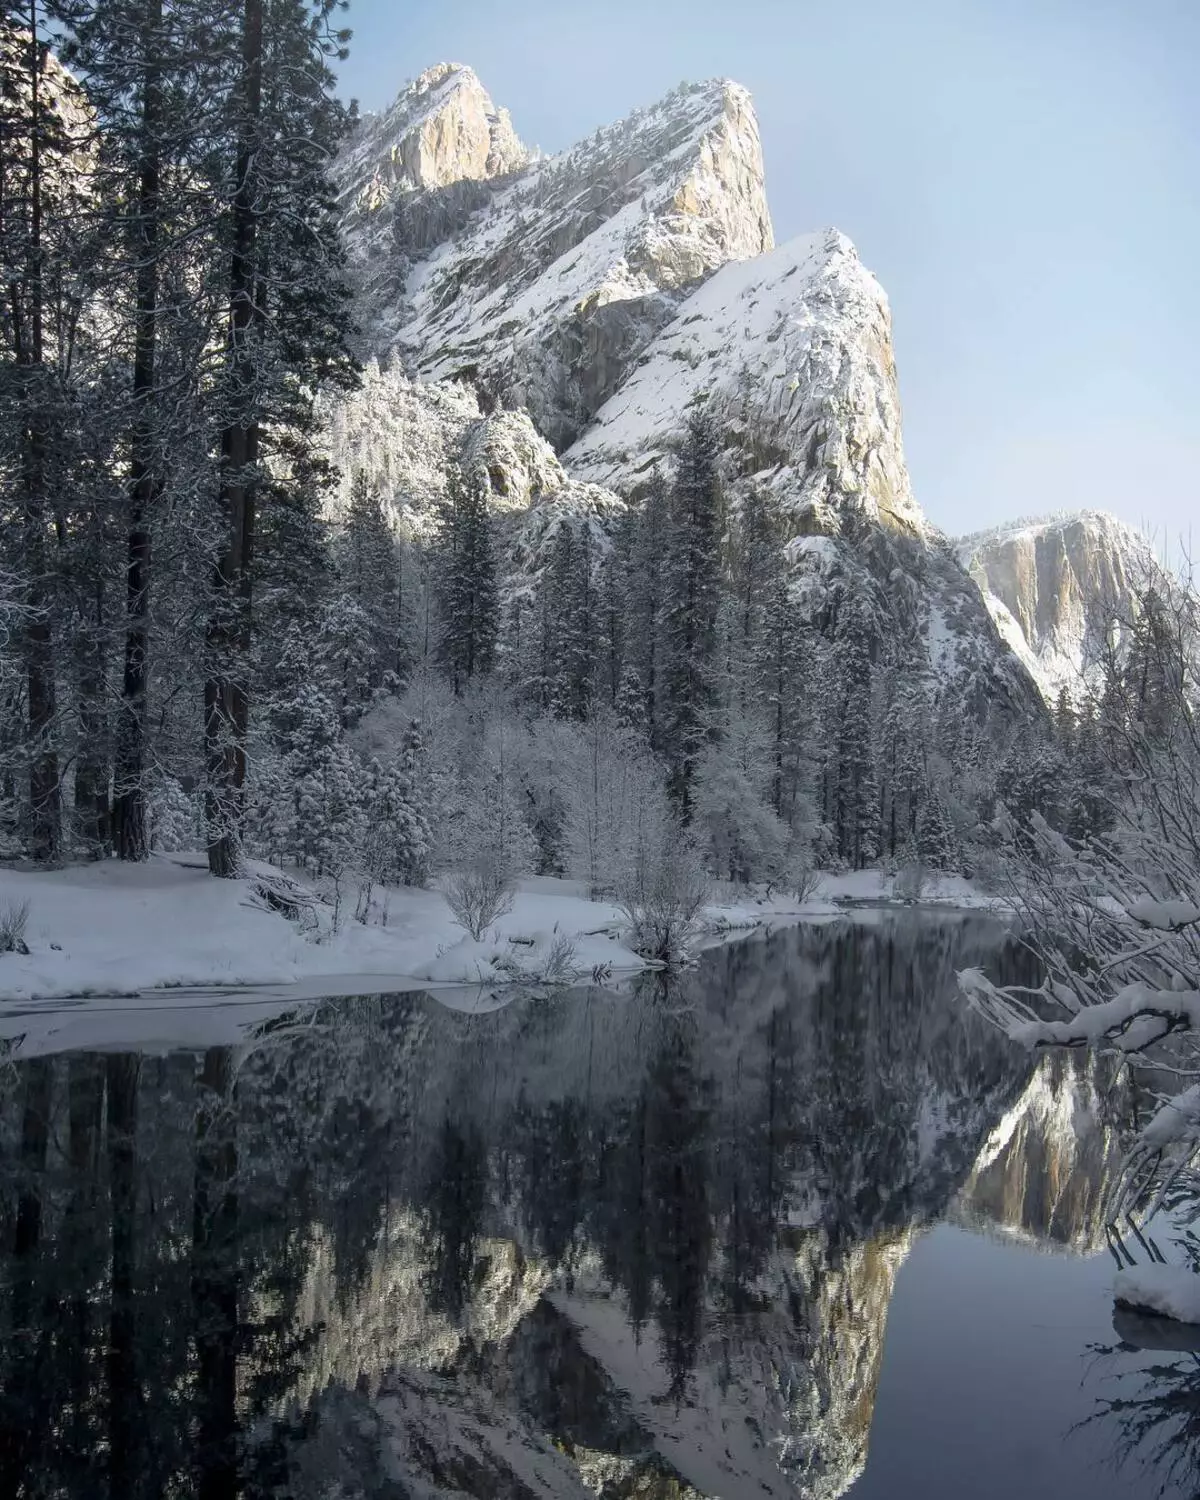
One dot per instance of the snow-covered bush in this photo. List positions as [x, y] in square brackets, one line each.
[173, 815]
[743, 839]
[480, 894]
[661, 891]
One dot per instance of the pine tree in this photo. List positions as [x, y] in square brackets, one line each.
[783, 675]
[370, 570]
[692, 589]
[643, 605]
[856, 799]
[631, 704]
[397, 836]
[468, 603]
[325, 825]
[281, 127]
[935, 833]
[571, 623]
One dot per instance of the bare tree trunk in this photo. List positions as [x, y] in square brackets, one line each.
[92, 814]
[129, 808]
[45, 794]
[227, 692]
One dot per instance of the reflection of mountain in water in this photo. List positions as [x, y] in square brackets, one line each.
[619, 1244]
[1044, 1168]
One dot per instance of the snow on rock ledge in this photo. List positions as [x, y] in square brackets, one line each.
[545, 285]
[793, 351]
[400, 434]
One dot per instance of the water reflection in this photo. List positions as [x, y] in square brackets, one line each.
[625, 1244]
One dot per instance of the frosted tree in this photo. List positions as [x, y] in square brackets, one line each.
[935, 833]
[326, 788]
[396, 837]
[691, 598]
[903, 760]
[742, 837]
[854, 781]
[610, 787]
[785, 654]
[286, 301]
[573, 622]
[371, 573]
[346, 655]
[643, 605]
[468, 598]
[154, 219]
[485, 815]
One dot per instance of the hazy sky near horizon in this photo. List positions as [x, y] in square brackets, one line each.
[1022, 175]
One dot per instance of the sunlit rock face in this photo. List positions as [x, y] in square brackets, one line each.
[544, 278]
[1046, 1168]
[442, 129]
[1055, 589]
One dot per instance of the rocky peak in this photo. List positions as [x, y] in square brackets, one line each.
[544, 285]
[608, 290]
[1054, 586]
[792, 352]
[442, 129]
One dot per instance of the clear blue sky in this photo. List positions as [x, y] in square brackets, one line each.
[1023, 176]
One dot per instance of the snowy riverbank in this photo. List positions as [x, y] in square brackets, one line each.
[113, 929]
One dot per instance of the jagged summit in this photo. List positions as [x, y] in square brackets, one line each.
[545, 279]
[608, 290]
[442, 129]
[793, 352]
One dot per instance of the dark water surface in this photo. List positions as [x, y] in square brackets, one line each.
[791, 1225]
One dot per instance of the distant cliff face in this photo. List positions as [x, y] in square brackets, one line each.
[1055, 587]
[609, 291]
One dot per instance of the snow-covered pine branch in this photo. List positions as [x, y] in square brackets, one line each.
[1114, 914]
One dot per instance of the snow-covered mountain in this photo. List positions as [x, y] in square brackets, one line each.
[609, 290]
[1054, 586]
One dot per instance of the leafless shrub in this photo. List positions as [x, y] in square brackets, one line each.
[661, 895]
[804, 881]
[559, 966]
[479, 894]
[14, 918]
[912, 880]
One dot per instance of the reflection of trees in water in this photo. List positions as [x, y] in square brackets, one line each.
[454, 1202]
[715, 1148]
[1155, 1426]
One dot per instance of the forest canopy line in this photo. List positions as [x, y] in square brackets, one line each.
[202, 647]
